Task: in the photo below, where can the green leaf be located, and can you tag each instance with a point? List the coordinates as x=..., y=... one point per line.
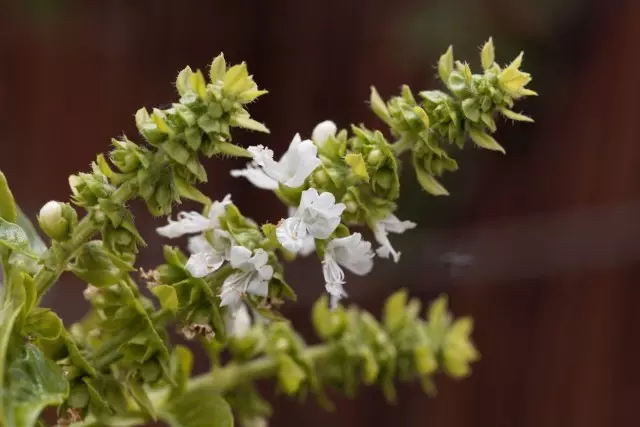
x=487, y=55
x=378, y=106
x=7, y=203
x=218, y=68
x=445, y=64
x=33, y=383
x=199, y=407
x=43, y=323
x=248, y=123
x=290, y=375
x=14, y=238
x=180, y=365
x=394, y=310
x=358, y=165
x=167, y=296
x=485, y=140
x=141, y=398
x=35, y=241
x=430, y=184
x=13, y=299
x=471, y=109
x=232, y=150
x=515, y=116
x=190, y=192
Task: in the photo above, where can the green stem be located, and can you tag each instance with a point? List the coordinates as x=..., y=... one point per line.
x=231, y=375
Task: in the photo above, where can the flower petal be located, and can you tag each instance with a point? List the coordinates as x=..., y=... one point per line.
x=239, y=256
x=199, y=244
x=257, y=177
x=187, y=223
x=203, y=263
x=291, y=234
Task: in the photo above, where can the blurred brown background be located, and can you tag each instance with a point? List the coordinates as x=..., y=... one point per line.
x=541, y=246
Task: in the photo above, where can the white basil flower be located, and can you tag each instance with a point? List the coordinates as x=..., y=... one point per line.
x=390, y=224
x=208, y=257
x=252, y=277
x=308, y=243
x=291, y=170
x=317, y=216
x=237, y=322
x=352, y=253
x=323, y=131
x=194, y=222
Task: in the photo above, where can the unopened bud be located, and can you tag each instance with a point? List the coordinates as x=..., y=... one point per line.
x=375, y=157
x=52, y=221
x=323, y=131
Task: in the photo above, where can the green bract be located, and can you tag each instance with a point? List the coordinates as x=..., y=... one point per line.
x=119, y=366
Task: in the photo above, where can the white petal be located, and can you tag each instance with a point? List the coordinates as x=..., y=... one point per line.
x=239, y=257
x=307, y=199
x=199, y=244
x=265, y=272
x=385, y=250
x=301, y=162
x=237, y=322
x=257, y=286
x=256, y=177
x=187, y=223
x=353, y=253
x=203, y=263
x=336, y=292
x=393, y=225
x=308, y=246
x=263, y=157
x=291, y=234
x=218, y=209
x=259, y=258
x=322, y=131
x=232, y=288
x=331, y=271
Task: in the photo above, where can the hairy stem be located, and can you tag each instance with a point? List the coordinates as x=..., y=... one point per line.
x=231, y=375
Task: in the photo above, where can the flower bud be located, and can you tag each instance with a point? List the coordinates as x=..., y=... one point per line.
x=150, y=371
x=323, y=131
x=78, y=396
x=52, y=220
x=375, y=157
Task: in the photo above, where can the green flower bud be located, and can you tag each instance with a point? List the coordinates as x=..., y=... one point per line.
x=57, y=220
x=375, y=158
x=89, y=188
x=78, y=396
x=127, y=156
x=382, y=181
x=150, y=371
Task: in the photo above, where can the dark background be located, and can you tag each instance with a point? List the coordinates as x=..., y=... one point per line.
x=541, y=247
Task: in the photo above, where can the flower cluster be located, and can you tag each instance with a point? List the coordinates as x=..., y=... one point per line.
x=119, y=365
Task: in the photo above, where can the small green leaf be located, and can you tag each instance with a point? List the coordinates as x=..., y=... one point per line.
x=14, y=238
x=198, y=407
x=358, y=165
x=190, y=192
x=232, y=150
x=167, y=296
x=445, y=65
x=487, y=55
x=484, y=140
x=378, y=106
x=7, y=203
x=35, y=241
x=142, y=399
x=13, y=298
x=247, y=122
x=394, y=310
x=471, y=109
x=290, y=375
x=430, y=184
x=515, y=116
x=43, y=323
x=180, y=366
x=218, y=68
x=33, y=383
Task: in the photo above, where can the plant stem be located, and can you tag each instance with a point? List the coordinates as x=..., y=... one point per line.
x=231, y=375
